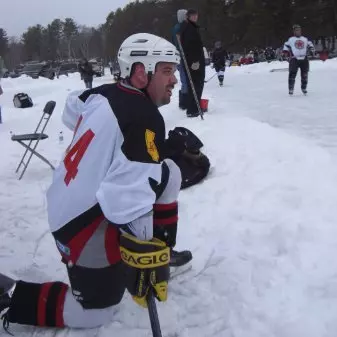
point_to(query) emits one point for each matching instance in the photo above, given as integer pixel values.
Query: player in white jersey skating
(297, 48)
(112, 205)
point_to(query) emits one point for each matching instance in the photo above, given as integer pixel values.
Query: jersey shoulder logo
(151, 146)
(299, 44)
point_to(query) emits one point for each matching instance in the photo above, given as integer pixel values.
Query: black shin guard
(38, 304)
(304, 80)
(291, 82)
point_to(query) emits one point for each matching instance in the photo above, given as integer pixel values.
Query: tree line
(238, 24)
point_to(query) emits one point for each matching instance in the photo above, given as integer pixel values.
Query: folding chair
(35, 137)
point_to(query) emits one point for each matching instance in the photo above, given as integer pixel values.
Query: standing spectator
(193, 49)
(87, 73)
(111, 67)
(2, 66)
(181, 16)
(1, 92)
(256, 55)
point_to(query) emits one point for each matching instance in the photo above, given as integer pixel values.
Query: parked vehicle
(43, 69)
(66, 68)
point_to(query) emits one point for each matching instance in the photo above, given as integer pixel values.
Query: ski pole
(189, 77)
(154, 319)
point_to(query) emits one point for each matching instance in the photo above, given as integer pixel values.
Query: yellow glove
(147, 265)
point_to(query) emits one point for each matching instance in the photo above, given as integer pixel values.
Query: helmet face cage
(147, 49)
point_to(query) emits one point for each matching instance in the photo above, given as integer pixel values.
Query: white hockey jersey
(298, 47)
(114, 160)
(73, 109)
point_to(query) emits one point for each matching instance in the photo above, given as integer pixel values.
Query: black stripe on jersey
(159, 188)
(75, 226)
(139, 120)
(52, 303)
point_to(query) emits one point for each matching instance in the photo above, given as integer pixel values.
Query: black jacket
(192, 43)
(86, 71)
(219, 58)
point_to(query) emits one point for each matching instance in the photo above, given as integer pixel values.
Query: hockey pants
(294, 65)
(95, 270)
(220, 72)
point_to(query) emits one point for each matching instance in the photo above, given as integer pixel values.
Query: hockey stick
(201, 114)
(210, 78)
(154, 319)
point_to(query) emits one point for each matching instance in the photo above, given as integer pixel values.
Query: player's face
(298, 32)
(162, 83)
(194, 17)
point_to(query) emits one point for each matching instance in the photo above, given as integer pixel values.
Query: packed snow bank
(264, 234)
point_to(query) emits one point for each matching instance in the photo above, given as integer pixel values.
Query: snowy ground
(262, 226)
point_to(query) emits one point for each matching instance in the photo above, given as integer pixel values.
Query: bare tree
(70, 30)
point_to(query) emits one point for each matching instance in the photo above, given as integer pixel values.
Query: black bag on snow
(22, 100)
(183, 147)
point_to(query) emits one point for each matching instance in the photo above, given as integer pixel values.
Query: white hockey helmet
(147, 49)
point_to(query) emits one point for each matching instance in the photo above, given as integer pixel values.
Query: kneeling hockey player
(112, 205)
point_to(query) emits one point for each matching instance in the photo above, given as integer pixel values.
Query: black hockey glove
(197, 158)
(147, 265)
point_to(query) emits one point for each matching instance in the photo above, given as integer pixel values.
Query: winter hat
(181, 15)
(191, 11)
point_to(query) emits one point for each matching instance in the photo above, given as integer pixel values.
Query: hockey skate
(179, 259)
(305, 91)
(291, 92)
(179, 263)
(7, 287)
(192, 114)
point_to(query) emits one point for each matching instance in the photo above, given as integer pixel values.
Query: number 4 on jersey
(75, 155)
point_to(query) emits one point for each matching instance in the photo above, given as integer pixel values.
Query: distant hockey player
(219, 58)
(112, 205)
(297, 48)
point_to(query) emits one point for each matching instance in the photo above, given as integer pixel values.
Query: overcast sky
(17, 15)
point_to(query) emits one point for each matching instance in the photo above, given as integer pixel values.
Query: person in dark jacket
(181, 16)
(193, 49)
(269, 54)
(219, 58)
(87, 73)
(1, 92)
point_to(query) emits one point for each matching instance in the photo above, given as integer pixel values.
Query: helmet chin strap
(149, 78)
